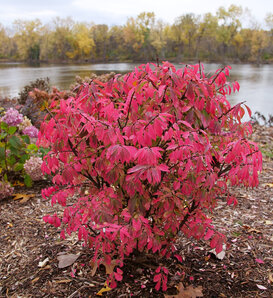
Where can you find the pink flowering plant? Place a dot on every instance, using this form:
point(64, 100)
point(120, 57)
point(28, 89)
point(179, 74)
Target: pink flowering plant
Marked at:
point(145, 159)
point(33, 166)
point(31, 131)
point(12, 117)
point(16, 149)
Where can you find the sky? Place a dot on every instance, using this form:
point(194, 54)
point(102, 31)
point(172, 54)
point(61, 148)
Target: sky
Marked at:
point(116, 12)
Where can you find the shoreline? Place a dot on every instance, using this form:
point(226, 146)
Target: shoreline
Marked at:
point(175, 61)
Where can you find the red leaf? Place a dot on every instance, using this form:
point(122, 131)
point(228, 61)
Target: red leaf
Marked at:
point(157, 277)
point(209, 234)
point(157, 286)
point(190, 93)
point(186, 123)
point(179, 258)
point(137, 169)
point(260, 261)
point(136, 225)
point(248, 110)
point(118, 276)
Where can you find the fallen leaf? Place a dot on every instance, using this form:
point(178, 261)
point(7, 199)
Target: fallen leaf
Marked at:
point(94, 268)
point(261, 287)
point(221, 254)
point(108, 267)
point(260, 261)
point(66, 260)
point(207, 258)
point(270, 277)
point(91, 285)
point(43, 263)
point(46, 267)
point(18, 183)
point(254, 230)
point(269, 222)
point(188, 292)
point(22, 197)
point(72, 273)
point(34, 280)
point(104, 289)
point(268, 184)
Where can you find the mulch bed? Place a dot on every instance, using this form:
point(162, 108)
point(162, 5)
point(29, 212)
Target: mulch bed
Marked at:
point(245, 271)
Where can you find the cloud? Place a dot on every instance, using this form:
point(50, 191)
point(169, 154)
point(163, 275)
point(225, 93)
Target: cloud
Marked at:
point(44, 15)
point(113, 12)
point(120, 10)
point(34, 14)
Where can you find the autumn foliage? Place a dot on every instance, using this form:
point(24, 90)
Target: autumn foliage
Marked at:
point(144, 158)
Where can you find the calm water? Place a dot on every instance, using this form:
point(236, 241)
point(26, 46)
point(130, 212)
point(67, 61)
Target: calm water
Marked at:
point(256, 81)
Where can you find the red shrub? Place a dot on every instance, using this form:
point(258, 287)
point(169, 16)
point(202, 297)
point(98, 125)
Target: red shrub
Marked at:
point(147, 156)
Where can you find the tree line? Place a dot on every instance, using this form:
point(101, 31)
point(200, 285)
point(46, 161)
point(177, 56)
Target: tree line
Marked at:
point(206, 37)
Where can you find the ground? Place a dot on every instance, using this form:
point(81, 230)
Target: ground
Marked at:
point(29, 250)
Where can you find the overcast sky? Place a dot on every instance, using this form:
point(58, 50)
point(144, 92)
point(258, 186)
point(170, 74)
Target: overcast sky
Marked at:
point(116, 12)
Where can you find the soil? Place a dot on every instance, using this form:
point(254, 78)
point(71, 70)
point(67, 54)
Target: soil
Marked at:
point(29, 250)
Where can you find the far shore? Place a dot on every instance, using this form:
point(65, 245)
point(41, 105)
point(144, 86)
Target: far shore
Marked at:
point(172, 60)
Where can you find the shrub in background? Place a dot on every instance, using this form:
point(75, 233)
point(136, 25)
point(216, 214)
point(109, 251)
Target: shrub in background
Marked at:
point(147, 157)
point(37, 96)
point(41, 84)
point(87, 80)
point(31, 106)
point(37, 103)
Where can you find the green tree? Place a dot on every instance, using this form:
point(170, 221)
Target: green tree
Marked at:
point(184, 33)
point(269, 24)
point(145, 22)
point(229, 24)
point(117, 45)
point(137, 35)
point(158, 39)
point(206, 44)
point(61, 39)
point(27, 38)
point(259, 43)
point(100, 36)
point(45, 43)
point(83, 43)
point(6, 44)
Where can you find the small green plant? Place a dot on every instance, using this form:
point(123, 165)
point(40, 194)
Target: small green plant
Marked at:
point(20, 158)
point(14, 151)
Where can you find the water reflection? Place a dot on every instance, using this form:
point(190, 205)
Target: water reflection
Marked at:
point(255, 81)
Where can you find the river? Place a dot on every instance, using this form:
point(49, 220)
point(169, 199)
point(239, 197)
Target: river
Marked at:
point(256, 81)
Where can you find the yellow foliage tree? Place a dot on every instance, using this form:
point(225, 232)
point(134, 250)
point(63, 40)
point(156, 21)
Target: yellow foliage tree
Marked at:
point(27, 38)
point(83, 43)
